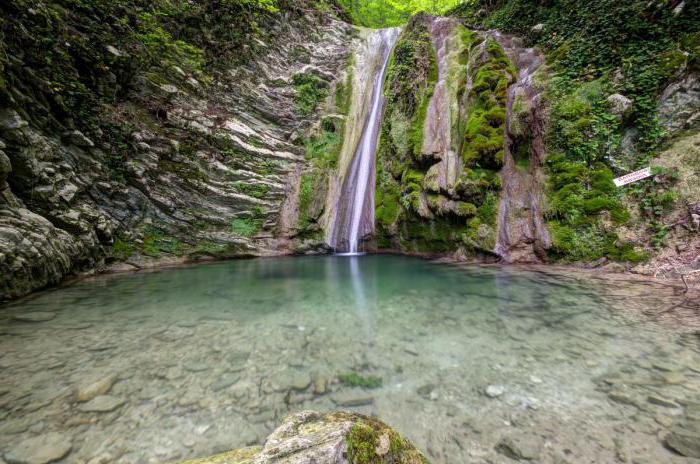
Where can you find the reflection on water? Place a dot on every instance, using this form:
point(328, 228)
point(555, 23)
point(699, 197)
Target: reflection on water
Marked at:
point(187, 362)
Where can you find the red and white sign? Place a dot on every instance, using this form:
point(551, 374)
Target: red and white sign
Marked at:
point(633, 177)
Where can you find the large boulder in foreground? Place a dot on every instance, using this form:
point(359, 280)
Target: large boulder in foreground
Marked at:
point(335, 438)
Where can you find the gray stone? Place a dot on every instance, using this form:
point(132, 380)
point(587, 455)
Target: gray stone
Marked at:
point(36, 316)
point(537, 28)
point(5, 168)
point(113, 50)
point(78, 139)
point(42, 449)
point(88, 390)
point(225, 381)
point(352, 399)
point(10, 120)
point(661, 401)
point(619, 104)
point(679, 104)
point(494, 391)
point(685, 442)
point(623, 398)
point(103, 403)
point(519, 447)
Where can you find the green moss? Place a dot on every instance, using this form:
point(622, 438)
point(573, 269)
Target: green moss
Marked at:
point(156, 242)
point(305, 198)
point(122, 249)
point(255, 190)
point(353, 379)
point(485, 127)
point(310, 91)
point(324, 147)
point(364, 440)
point(245, 226)
point(402, 169)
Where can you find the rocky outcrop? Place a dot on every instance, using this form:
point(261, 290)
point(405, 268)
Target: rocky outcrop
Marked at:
point(522, 233)
point(204, 172)
point(335, 438)
point(442, 140)
point(679, 104)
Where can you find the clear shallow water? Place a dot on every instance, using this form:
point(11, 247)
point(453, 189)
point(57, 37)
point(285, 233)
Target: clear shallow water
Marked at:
point(213, 357)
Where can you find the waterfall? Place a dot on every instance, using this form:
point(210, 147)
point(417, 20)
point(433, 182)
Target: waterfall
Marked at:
point(354, 218)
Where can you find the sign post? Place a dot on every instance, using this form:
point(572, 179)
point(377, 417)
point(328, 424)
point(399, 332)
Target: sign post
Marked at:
point(633, 177)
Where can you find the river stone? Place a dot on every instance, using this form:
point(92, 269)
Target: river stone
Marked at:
point(35, 316)
point(103, 403)
point(42, 449)
point(225, 381)
point(519, 447)
point(310, 437)
point(95, 387)
point(684, 441)
point(661, 401)
point(352, 399)
point(494, 391)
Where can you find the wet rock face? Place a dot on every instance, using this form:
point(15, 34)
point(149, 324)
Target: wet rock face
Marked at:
point(679, 104)
point(335, 438)
point(522, 233)
point(206, 174)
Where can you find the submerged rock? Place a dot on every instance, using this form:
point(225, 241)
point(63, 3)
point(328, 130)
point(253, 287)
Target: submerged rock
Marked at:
point(42, 449)
point(519, 447)
point(494, 391)
point(36, 316)
point(94, 387)
point(335, 438)
point(104, 403)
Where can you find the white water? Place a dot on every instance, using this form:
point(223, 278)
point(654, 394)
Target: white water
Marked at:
point(363, 162)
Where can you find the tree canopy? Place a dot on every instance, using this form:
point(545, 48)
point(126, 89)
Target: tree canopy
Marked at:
point(383, 13)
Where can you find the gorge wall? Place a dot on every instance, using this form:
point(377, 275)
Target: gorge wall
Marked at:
point(132, 136)
point(107, 157)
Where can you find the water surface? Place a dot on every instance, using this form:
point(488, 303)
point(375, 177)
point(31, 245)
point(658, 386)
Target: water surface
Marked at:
point(213, 357)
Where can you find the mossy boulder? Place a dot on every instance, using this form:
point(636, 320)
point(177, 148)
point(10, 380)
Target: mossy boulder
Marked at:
point(334, 438)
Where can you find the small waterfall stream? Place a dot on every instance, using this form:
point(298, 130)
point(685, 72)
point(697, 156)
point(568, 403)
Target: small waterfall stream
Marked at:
point(354, 217)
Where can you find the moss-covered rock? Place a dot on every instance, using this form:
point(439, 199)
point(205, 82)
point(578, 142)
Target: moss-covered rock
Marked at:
point(472, 74)
point(334, 438)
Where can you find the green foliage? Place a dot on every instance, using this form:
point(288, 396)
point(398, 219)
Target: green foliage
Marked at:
point(324, 148)
point(156, 242)
point(248, 225)
point(656, 197)
point(384, 13)
point(160, 46)
point(354, 379)
point(305, 198)
point(122, 249)
point(595, 49)
point(245, 226)
point(310, 91)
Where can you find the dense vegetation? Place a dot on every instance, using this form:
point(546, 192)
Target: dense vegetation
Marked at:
point(384, 13)
point(68, 58)
point(596, 49)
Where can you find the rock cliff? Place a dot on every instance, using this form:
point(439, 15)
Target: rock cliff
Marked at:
point(183, 163)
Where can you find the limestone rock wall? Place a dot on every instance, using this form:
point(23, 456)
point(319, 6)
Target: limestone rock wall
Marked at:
point(211, 168)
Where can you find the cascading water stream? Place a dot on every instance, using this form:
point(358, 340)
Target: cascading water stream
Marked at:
point(355, 214)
